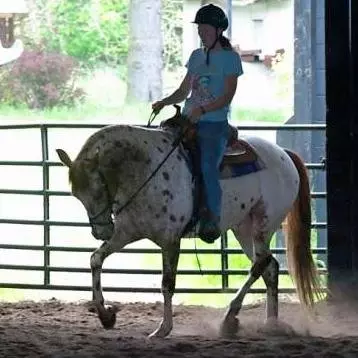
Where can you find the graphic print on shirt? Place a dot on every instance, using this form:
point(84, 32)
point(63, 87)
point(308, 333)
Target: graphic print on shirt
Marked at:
point(201, 94)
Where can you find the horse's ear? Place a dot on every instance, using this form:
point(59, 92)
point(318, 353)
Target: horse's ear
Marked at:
point(65, 159)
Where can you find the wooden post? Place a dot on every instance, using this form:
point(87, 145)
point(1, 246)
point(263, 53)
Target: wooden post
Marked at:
point(342, 144)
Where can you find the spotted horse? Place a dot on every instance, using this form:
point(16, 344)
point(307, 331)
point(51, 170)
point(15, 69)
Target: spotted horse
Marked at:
point(115, 161)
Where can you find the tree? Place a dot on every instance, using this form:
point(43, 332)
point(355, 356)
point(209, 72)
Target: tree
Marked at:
point(145, 56)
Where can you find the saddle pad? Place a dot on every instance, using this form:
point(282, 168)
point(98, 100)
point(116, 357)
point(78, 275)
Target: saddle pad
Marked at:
point(239, 169)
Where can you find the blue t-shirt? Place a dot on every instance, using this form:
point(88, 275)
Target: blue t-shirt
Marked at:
point(207, 81)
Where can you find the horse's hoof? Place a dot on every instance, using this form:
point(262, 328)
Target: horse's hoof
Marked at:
point(229, 327)
point(274, 326)
point(108, 317)
point(161, 332)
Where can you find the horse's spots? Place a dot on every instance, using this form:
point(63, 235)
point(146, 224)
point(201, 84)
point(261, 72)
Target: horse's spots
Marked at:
point(171, 196)
point(165, 192)
point(148, 161)
point(155, 187)
point(164, 140)
point(296, 181)
point(236, 199)
point(157, 216)
point(164, 209)
point(145, 142)
point(160, 149)
point(166, 176)
point(118, 144)
point(179, 157)
point(243, 206)
point(251, 200)
point(150, 207)
point(172, 218)
point(282, 158)
point(182, 218)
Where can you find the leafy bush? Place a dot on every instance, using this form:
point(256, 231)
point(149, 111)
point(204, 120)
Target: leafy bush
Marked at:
point(97, 31)
point(92, 32)
point(40, 80)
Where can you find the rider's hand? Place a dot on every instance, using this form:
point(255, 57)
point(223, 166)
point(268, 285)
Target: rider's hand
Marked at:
point(158, 106)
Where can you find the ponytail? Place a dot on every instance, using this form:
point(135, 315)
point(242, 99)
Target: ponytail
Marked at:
point(225, 42)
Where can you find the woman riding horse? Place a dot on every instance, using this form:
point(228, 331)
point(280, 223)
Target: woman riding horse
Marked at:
point(211, 79)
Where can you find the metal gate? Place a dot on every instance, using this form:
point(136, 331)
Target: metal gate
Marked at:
point(45, 247)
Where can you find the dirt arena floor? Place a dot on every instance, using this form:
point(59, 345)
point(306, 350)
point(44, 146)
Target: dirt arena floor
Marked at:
point(56, 329)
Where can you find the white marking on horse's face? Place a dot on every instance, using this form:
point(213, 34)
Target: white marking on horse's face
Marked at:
point(93, 193)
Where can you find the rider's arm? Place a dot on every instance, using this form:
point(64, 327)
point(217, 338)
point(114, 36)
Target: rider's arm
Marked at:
point(225, 99)
point(180, 94)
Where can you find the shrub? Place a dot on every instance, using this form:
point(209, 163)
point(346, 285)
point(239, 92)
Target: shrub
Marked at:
point(40, 80)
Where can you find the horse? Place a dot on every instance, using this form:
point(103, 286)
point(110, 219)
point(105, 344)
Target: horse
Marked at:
point(135, 183)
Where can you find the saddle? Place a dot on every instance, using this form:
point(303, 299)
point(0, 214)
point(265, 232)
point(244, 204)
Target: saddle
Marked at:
point(238, 151)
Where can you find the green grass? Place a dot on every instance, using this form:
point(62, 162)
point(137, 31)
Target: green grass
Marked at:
point(136, 113)
point(240, 115)
point(10, 295)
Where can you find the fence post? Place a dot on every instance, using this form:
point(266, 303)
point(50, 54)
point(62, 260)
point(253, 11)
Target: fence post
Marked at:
point(46, 203)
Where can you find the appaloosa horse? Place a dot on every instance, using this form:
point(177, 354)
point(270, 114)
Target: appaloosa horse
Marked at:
point(115, 162)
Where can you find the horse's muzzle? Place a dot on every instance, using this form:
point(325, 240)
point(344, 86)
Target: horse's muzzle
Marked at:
point(103, 232)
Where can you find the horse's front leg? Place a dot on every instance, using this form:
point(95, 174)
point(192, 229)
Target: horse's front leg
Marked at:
point(170, 263)
point(107, 315)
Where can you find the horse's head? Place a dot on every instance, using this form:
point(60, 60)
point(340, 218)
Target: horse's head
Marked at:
point(89, 186)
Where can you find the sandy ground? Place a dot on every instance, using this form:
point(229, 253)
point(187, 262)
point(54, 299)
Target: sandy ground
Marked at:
point(56, 329)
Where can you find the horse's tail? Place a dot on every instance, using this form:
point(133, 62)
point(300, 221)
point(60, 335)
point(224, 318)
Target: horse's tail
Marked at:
point(298, 240)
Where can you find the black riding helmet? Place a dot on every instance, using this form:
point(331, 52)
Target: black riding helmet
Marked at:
point(212, 15)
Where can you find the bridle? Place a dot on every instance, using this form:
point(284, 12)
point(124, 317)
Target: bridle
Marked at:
point(92, 218)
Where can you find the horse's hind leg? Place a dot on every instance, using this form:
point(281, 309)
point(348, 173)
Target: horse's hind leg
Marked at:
point(258, 251)
point(170, 255)
point(270, 277)
point(106, 315)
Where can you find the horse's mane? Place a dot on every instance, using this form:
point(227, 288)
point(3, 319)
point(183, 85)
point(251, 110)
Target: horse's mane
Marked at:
point(77, 174)
point(112, 154)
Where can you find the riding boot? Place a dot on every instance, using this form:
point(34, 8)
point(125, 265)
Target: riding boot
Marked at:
point(209, 228)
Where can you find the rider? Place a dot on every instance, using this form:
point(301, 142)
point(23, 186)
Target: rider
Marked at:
point(211, 80)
